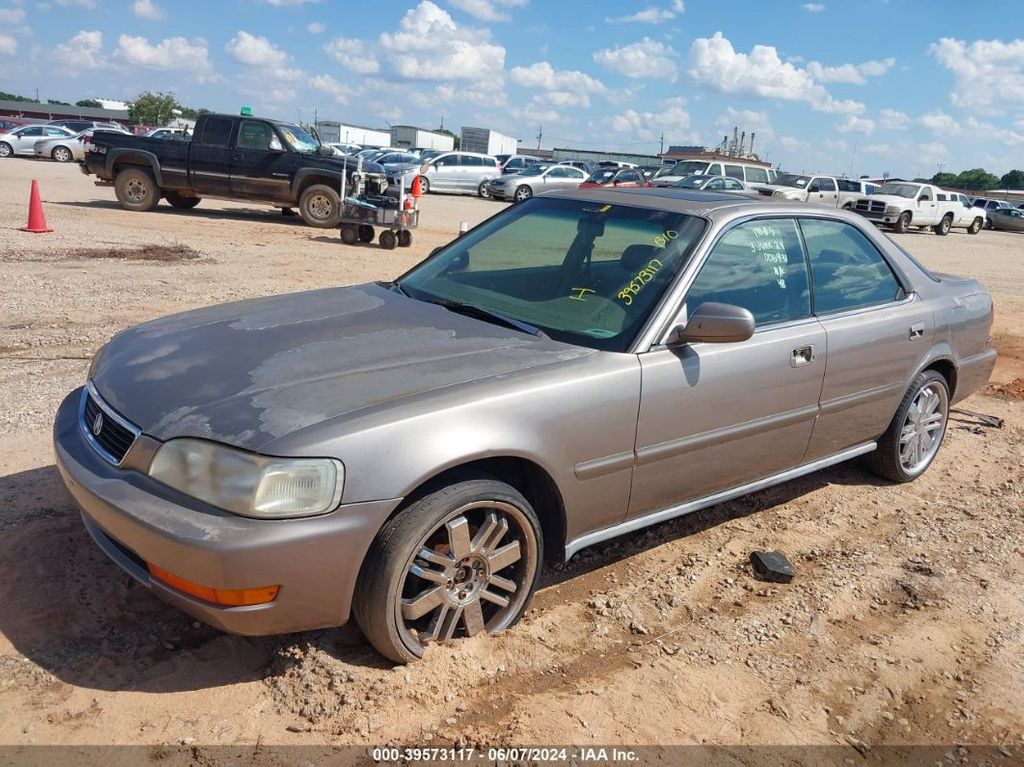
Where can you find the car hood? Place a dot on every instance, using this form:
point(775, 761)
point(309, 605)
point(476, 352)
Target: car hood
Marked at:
point(247, 373)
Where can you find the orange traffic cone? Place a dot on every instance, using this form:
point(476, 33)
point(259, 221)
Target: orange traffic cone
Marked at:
point(417, 187)
point(36, 217)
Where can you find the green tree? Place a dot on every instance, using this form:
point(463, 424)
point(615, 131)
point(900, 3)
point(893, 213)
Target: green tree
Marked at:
point(1013, 180)
point(5, 96)
point(191, 114)
point(59, 103)
point(89, 103)
point(153, 108)
point(944, 179)
point(977, 179)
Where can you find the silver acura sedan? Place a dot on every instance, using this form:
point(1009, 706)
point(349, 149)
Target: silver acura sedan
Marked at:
point(580, 366)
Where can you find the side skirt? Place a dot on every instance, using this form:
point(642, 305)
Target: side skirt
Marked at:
point(631, 525)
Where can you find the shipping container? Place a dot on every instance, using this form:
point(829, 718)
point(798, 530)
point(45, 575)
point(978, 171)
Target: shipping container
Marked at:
point(332, 132)
point(411, 137)
point(487, 141)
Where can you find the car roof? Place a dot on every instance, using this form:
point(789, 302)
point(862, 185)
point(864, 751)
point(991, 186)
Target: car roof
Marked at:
point(689, 201)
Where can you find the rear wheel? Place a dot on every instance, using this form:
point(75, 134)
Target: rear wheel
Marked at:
point(424, 184)
point(462, 560)
point(912, 440)
point(320, 206)
point(62, 154)
point(181, 201)
point(975, 226)
point(942, 228)
point(136, 189)
point(902, 224)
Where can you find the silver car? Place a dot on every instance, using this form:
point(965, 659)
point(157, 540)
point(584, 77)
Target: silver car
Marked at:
point(460, 172)
point(23, 140)
point(1010, 219)
point(63, 148)
point(580, 366)
point(535, 179)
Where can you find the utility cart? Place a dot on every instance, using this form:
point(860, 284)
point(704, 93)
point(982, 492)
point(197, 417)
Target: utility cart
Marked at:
point(359, 217)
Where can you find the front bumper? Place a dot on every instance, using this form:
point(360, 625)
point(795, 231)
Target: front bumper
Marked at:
point(136, 520)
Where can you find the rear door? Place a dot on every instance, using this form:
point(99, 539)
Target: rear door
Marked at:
point(717, 416)
point(877, 332)
point(260, 163)
point(209, 157)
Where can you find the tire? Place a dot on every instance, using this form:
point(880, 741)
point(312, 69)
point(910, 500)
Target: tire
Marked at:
point(349, 234)
point(975, 226)
point(181, 201)
point(848, 206)
point(6, 150)
point(388, 240)
point(899, 455)
point(902, 223)
point(320, 206)
point(483, 191)
point(988, 223)
point(404, 238)
point(62, 154)
point(136, 189)
point(491, 528)
point(522, 193)
point(942, 228)
point(366, 233)
point(424, 184)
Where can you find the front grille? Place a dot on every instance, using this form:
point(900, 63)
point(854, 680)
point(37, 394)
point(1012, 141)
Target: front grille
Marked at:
point(114, 436)
point(869, 206)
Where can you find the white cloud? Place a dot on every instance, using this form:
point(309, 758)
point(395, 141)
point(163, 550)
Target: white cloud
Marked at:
point(715, 64)
point(315, 28)
point(855, 74)
point(793, 144)
point(671, 118)
point(926, 154)
point(746, 120)
point(836, 145)
point(536, 112)
point(429, 45)
point(854, 124)
point(650, 15)
point(8, 45)
point(545, 77)
point(258, 52)
point(174, 53)
point(11, 15)
point(147, 9)
point(352, 54)
point(648, 59)
point(813, 7)
point(85, 49)
point(327, 84)
point(987, 74)
point(892, 119)
point(942, 124)
point(488, 10)
point(89, 5)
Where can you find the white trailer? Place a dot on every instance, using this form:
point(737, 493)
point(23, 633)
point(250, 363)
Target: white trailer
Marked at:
point(332, 132)
point(487, 141)
point(411, 137)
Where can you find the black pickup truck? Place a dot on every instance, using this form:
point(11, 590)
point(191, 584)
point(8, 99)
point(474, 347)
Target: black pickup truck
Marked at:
point(232, 157)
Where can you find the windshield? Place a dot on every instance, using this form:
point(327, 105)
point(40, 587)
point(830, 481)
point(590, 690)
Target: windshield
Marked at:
point(899, 190)
point(533, 170)
point(298, 139)
point(692, 182)
point(602, 176)
point(788, 179)
point(688, 167)
point(583, 272)
point(398, 157)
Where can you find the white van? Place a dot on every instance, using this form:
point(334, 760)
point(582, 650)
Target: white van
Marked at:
point(743, 172)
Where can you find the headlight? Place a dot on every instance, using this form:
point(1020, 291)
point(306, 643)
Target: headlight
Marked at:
point(248, 484)
point(892, 210)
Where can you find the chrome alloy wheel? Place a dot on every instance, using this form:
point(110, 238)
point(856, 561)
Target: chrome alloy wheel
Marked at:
point(923, 428)
point(471, 573)
point(135, 190)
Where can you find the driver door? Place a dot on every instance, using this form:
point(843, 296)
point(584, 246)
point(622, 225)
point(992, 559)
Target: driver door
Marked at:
point(260, 163)
point(714, 416)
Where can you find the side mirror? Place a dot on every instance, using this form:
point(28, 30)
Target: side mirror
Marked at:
point(715, 323)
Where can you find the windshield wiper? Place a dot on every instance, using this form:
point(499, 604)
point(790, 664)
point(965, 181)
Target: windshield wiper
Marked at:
point(471, 310)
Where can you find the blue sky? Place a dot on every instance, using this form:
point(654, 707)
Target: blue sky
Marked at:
point(858, 86)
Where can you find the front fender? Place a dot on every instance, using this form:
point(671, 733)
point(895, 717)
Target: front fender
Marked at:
point(305, 176)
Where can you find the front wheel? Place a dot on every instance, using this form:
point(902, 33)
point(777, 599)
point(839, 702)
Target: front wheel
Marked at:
point(942, 228)
point(6, 150)
point(902, 224)
point(320, 206)
point(136, 189)
point(483, 191)
point(388, 240)
point(181, 201)
point(915, 433)
point(462, 560)
point(62, 154)
point(523, 193)
point(975, 226)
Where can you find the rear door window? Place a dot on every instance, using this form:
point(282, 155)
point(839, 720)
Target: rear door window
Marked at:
point(756, 175)
point(734, 171)
point(217, 131)
point(472, 161)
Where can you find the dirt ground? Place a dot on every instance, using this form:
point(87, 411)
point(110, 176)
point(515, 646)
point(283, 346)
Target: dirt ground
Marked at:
point(905, 623)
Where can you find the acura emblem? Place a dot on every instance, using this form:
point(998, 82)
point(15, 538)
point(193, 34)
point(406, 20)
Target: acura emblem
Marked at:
point(97, 424)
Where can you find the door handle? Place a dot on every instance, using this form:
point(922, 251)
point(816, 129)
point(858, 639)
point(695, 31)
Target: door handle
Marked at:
point(803, 355)
point(916, 330)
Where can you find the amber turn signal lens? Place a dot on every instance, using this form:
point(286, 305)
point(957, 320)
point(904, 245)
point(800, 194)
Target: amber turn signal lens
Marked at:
point(224, 597)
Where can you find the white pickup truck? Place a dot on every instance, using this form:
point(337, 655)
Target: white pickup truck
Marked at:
point(830, 191)
point(903, 204)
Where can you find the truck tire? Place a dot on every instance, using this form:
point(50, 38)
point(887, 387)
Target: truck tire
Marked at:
point(320, 206)
point(975, 226)
point(180, 201)
point(136, 189)
point(942, 228)
point(902, 223)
